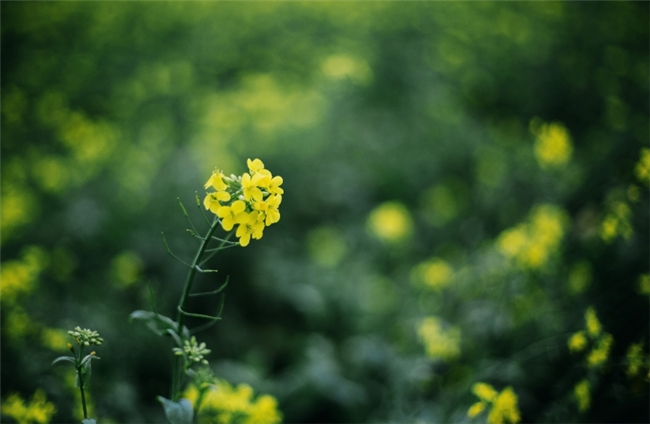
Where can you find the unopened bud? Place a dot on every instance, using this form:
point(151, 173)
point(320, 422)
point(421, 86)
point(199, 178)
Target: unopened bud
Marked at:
point(70, 347)
point(93, 353)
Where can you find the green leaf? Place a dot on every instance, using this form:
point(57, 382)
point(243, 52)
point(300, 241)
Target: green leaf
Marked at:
point(157, 323)
point(89, 421)
point(178, 412)
point(87, 358)
point(64, 358)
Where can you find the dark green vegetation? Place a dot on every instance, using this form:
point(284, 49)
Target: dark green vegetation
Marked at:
point(112, 110)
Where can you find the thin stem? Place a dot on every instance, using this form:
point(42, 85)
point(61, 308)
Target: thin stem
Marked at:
point(81, 376)
point(180, 316)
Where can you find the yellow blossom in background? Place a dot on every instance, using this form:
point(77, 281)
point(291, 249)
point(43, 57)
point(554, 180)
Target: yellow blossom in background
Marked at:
point(435, 273)
point(125, 269)
point(577, 342)
point(600, 352)
point(20, 276)
point(617, 222)
point(484, 391)
point(38, 410)
point(553, 147)
point(390, 222)
point(439, 343)
point(224, 404)
point(55, 339)
point(642, 167)
point(582, 393)
point(504, 408)
point(635, 359)
point(532, 243)
point(592, 324)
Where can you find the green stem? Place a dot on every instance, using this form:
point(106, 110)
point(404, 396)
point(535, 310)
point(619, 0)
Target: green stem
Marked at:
point(80, 373)
point(177, 374)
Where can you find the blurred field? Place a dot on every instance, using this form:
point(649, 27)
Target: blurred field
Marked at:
point(466, 200)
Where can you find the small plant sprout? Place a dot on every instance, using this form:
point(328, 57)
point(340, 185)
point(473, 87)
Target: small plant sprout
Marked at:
point(84, 339)
point(242, 206)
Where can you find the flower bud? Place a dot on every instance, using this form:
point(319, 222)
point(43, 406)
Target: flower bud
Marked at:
point(70, 348)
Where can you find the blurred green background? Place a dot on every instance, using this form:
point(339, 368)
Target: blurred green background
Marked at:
point(462, 182)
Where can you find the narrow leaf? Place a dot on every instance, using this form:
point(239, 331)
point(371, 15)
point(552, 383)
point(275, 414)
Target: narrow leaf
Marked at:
point(64, 358)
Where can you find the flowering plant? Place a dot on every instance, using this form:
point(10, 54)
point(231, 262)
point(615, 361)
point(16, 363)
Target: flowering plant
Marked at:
point(251, 202)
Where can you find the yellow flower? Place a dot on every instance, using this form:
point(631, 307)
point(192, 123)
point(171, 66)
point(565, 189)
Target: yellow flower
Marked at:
point(252, 227)
point(476, 409)
point(438, 342)
point(600, 353)
point(390, 222)
point(553, 146)
point(592, 324)
point(255, 165)
point(233, 214)
point(505, 408)
point(577, 342)
point(212, 200)
point(39, 410)
point(216, 181)
point(435, 273)
point(269, 209)
point(642, 168)
point(484, 391)
point(582, 393)
point(634, 359)
point(504, 404)
point(251, 186)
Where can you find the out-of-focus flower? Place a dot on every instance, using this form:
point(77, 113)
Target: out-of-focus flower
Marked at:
point(439, 343)
point(503, 404)
point(390, 222)
point(553, 147)
point(642, 167)
point(434, 273)
point(577, 342)
point(582, 393)
point(38, 410)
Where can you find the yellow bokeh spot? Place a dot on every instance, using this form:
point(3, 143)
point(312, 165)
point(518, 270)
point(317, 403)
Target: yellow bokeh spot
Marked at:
point(51, 173)
point(532, 243)
point(642, 168)
point(582, 393)
point(55, 339)
point(340, 66)
point(592, 324)
point(553, 147)
point(18, 277)
point(126, 269)
point(600, 352)
point(577, 342)
point(37, 411)
point(635, 359)
point(434, 273)
point(326, 246)
point(484, 391)
point(390, 222)
point(439, 343)
point(18, 207)
point(224, 404)
point(476, 409)
point(504, 408)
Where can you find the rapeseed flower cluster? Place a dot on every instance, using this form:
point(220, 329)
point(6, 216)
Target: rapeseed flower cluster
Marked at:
point(222, 403)
point(250, 201)
point(439, 343)
point(434, 273)
point(642, 167)
point(593, 335)
point(636, 360)
point(503, 404)
point(532, 243)
point(582, 393)
point(617, 222)
point(38, 410)
point(553, 146)
point(21, 276)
